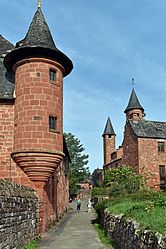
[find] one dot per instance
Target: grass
(103, 237)
(145, 212)
(32, 245)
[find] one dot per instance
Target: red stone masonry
(150, 159)
(109, 147)
(8, 168)
(130, 148)
(37, 149)
(135, 114)
(36, 99)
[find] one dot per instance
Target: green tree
(77, 170)
(124, 180)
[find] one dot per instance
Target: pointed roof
(108, 128)
(5, 46)
(38, 33)
(133, 102)
(38, 42)
(6, 78)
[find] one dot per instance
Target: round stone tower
(108, 141)
(39, 69)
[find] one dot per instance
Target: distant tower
(108, 141)
(134, 110)
(39, 69)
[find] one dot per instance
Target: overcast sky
(110, 42)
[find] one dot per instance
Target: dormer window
(52, 75)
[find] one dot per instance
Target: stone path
(74, 231)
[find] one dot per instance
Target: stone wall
(130, 148)
(18, 215)
(128, 235)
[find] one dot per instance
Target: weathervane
(39, 3)
(132, 82)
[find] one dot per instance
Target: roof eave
(36, 51)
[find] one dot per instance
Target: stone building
(97, 177)
(143, 146)
(86, 184)
(33, 150)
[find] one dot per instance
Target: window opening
(52, 75)
(52, 123)
(162, 177)
(161, 146)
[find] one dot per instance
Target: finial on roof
(132, 82)
(39, 3)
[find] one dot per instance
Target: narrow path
(75, 231)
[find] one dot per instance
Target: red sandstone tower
(108, 141)
(39, 70)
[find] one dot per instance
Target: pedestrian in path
(78, 205)
(73, 231)
(89, 206)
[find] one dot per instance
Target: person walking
(78, 205)
(89, 206)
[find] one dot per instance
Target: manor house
(143, 146)
(33, 150)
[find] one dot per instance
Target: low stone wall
(18, 215)
(127, 234)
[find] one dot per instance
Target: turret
(134, 110)
(108, 141)
(39, 68)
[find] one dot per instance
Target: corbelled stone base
(38, 165)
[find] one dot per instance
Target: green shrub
(100, 206)
(33, 244)
(123, 180)
(148, 209)
(96, 192)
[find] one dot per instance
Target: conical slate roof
(133, 102)
(5, 46)
(38, 42)
(38, 33)
(6, 78)
(108, 128)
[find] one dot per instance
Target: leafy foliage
(100, 206)
(123, 180)
(77, 170)
(33, 244)
(146, 208)
(103, 237)
(101, 191)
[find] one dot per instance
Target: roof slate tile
(149, 129)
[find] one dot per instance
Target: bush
(123, 180)
(157, 198)
(100, 206)
(101, 191)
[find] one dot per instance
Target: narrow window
(161, 146)
(52, 123)
(52, 75)
(162, 177)
(162, 170)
